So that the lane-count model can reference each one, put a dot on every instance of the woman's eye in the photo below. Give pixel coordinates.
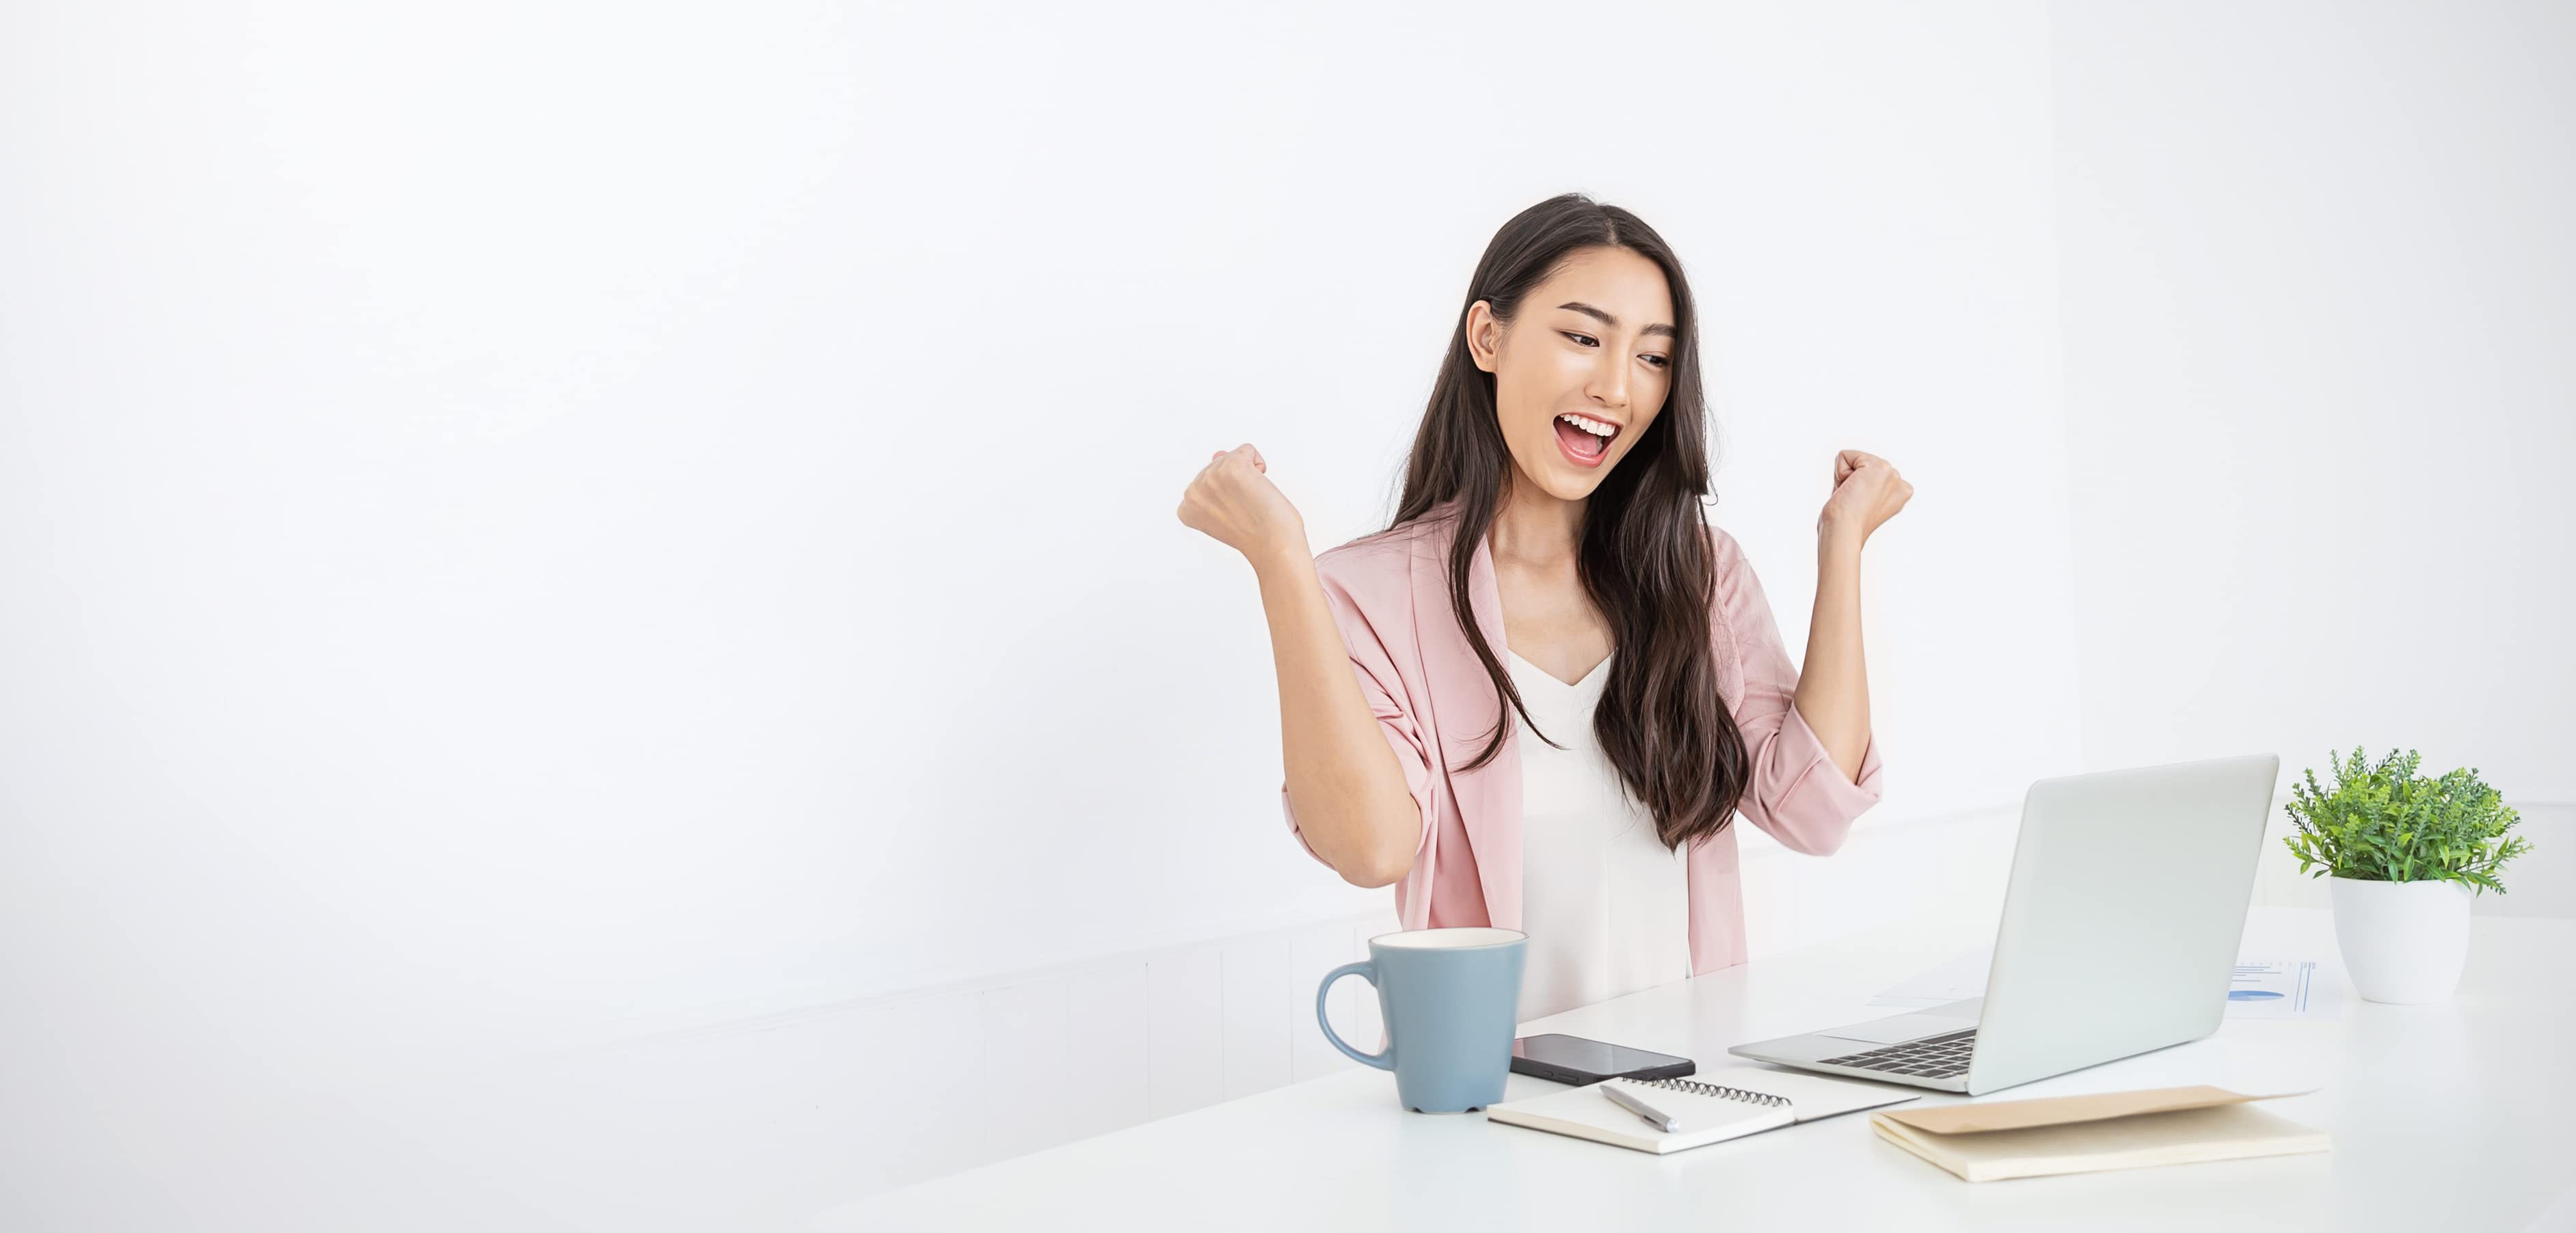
(1660, 362)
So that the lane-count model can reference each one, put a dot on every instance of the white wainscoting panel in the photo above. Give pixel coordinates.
(1186, 1037)
(1108, 1049)
(1258, 1002)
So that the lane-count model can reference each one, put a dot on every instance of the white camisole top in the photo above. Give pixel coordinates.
(1605, 904)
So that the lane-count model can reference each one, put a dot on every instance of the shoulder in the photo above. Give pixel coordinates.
(1382, 553)
(1722, 549)
(1373, 574)
(1736, 589)
(1727, 564)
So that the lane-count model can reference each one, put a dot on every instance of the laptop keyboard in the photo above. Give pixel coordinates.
(1933, 1057)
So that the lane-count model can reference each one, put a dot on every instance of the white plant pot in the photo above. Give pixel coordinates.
(2402, 941)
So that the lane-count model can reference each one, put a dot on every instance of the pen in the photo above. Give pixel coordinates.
(1653, 1117)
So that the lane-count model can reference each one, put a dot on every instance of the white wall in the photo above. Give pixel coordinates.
(527, 520)
(2318, 289)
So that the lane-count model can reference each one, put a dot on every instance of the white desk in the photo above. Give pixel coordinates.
(2459, 1116)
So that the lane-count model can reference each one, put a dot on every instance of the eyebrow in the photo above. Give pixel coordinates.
(1613, 322)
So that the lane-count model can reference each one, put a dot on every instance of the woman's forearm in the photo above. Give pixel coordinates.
(1344, 785)
(1833, 684)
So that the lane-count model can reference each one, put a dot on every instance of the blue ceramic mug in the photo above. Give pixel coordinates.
(1449, 998)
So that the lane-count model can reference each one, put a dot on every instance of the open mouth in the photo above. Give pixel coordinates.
(1587, 441)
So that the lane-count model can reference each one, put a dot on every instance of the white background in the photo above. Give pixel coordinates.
(521, 520)
(2319, 398)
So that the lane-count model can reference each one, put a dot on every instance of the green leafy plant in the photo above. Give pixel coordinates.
(2385, 823)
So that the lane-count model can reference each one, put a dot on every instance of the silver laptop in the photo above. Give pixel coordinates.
(2119, 935)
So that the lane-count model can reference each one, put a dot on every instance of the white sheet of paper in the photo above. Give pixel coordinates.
(2285, 989)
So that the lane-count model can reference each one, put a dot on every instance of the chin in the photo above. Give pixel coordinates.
(1566, 487)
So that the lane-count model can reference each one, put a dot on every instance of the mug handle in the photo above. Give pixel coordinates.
(1367, 971)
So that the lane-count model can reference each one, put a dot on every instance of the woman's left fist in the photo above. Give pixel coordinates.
(1867, 492)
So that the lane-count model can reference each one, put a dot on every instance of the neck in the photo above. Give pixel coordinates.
(1535, 527)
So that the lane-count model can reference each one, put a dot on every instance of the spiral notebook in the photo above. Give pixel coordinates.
(1727, 1103)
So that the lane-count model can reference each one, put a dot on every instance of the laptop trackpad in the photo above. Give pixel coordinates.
(1896, 1028)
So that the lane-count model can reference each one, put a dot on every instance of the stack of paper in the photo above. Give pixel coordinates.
(1993, 1140)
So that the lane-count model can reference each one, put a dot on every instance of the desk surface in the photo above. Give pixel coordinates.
(2454, 1116)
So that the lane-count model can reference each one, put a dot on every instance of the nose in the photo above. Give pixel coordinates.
(1610, 379)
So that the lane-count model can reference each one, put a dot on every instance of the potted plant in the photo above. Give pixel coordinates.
(2406, 852)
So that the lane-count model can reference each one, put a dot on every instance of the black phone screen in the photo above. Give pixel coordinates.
(1573, 1059)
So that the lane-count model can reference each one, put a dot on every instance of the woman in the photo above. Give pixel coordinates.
(1550, 557)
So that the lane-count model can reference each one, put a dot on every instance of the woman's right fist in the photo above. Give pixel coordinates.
(1233, 501)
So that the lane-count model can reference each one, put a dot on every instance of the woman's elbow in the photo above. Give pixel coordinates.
(1377, 869)
(1814, 813)
(1387, 861)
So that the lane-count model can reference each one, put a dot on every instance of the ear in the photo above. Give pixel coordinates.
(1484, 334)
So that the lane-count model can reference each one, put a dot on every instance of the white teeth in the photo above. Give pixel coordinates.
(1595, 427)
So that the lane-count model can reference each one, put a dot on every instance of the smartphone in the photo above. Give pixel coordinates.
(1572, 1059)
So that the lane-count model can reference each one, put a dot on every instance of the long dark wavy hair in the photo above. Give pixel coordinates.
(1645, 557)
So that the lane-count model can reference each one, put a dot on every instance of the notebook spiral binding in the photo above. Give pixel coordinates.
(1712, 1089)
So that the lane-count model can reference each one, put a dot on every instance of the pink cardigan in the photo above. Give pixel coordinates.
(1433, 699)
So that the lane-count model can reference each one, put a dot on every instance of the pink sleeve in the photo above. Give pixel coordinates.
(1798, 794)
(1380, 684)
